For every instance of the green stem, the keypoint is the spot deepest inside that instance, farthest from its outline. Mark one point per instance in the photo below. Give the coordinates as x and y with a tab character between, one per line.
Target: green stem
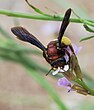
36	9
42	17
83	84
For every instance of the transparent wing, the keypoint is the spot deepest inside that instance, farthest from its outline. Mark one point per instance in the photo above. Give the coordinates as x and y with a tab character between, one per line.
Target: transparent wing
64	25
24	35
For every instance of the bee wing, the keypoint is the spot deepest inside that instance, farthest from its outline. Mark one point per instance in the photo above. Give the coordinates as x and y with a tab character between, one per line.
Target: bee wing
64	25
24	35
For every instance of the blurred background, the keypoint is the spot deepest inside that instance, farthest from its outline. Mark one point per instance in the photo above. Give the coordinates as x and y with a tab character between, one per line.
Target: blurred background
18	90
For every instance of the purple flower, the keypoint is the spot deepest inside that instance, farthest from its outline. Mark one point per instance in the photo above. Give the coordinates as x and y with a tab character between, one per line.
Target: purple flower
64	82
76	50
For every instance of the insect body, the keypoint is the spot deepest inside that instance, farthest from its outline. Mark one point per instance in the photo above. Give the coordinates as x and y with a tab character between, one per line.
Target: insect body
53	54
56	50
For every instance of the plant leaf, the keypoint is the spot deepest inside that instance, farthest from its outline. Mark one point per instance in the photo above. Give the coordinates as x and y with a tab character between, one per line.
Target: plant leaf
88	28
86	38
37	10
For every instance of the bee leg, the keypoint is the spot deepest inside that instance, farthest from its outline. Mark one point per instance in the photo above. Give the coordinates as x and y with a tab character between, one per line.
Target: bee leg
49	71
71	48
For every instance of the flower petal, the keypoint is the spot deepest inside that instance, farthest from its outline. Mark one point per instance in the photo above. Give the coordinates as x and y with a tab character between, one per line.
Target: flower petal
66	57
66	67
61	70
64	82
56	72
76	49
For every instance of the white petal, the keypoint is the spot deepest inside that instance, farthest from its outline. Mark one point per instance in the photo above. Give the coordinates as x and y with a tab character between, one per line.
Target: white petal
66	67
56	72
61	70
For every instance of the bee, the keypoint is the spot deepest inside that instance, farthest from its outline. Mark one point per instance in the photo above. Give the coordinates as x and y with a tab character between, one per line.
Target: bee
56	50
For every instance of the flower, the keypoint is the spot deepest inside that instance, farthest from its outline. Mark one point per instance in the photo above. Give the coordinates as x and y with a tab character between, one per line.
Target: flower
75	48
64	82
66	67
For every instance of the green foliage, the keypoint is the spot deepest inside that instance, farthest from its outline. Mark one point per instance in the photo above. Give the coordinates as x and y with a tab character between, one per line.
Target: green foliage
86	38
20	53
89	30
17	53
43	16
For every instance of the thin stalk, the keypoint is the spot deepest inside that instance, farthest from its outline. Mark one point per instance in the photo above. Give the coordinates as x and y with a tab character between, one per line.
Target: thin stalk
42	17
37	9
83	84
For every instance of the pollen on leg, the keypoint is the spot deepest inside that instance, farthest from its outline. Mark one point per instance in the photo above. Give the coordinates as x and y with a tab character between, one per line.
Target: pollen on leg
65	40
